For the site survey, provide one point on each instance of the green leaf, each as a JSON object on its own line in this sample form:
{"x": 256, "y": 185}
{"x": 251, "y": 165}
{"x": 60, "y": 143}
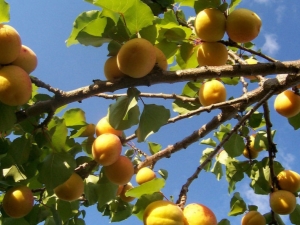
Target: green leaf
{"x": 58, "y": 129}
{"x": 168, "y": 48}
{"x": 295, "y": 121}
{"x": 154, "y": 147}
{"x": 233, "y": 5}
{"x": 135, "y": 13}
{"x": 4, "y": 9}
{"x": 203, "y": 4}
{"x": 294, "y": 216}
{"x": 269, "y": 218}
{"x": 209, "y": 141}
{"x": 231, "y": 81}
{"x": 90, "y": 190}
{"x": 163, "y": 173}
{"x": 12, "y": 221}
{"x": 20, "y": 149}
{"x": 235, "y": 145}
{"x": 149, "y": 187}
{"x": 186, "y": 57}
{"x": 234, "y": 173}
{"x": 124, "y": 113}
{"x": 237, "y": 205}
{"x": 56, "y": 169}
{"x": 152, "y": 119}
{"x": 74, "y": 117}
{"x": 224, "y": 222}
{"x": 106, "y": 190}
{"x": 256, "y": 120}
{"x": 217, "y": 170}
{"x": 205, "y": 155}
{"x": 7, "y": 116}
{"x": 67, "y": 209}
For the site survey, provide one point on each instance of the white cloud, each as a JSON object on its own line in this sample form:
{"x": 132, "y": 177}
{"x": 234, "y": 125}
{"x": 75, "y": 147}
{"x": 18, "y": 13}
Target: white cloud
{"x": 286, "y": 159}
{"x": 261, "y": 201}
{"x": 271, "y": 46}
{"x": 262, "y": 1}
{"x": 280, "y": 10}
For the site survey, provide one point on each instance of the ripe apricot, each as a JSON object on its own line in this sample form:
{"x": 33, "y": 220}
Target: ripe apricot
{"x": 287, "y": 103}
{"x": 144, "y": 174}
{"x": 136, "y": 57}
{"x": 212, "y": 54}
{"x": 18, "y": 201}
{"x": 199, "y": 214}
{"x": 253, "y": 218}
{"x": 106, "y": 149}
{"x": 27, "y": 59}
{"x": 71, "y": 189}
{"x": 120, "y": 172}
{"x": 243, "y": 25}
{"x": 122, "y": 190}
{"x": 252, "y": 155}
{"x": 15, "y": 86}
{"x": 212, "y": 92}
{"x": 282, "y": 202}
{"x": 161, "y": 59}
{"x": 210, "y": 25}
{"x": 163, "y": 212}
{"x": 10, "y": 44}
{"x": 111, "y": 69}
{"x": 289, "y": 180}
{"x": 103, "y": 127}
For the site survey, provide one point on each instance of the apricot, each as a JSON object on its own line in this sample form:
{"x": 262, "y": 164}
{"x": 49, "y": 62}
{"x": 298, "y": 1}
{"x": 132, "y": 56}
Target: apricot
{"x": 10, "y": 44}
{"x": 282, "y": 202}
{"x": 136, "y": 57}
{"x": 106, "y": 149}
{"x": 111, "y": 69}
{"x": 243, "y": 25}
{"x": 289, "y": 180}
{"x": 252, "y": 142}
{"x": 199, "y": 214}
{"x": 251, "y": 61}
{"x": 212, "y": 54}
{"x": 18, "y": 201}
{"x": 89, "y": 130}
{"x": 253, "y": 218}
{"x": 252, "y": 155}
{"x": 71, "y": 189}
{"x": 210, "y": 25}
{"x": 144, "y": 174}
{"x": 120, "y": 172}
{"x": 212, "y": 92}
{"x": 161, "y": 59}
{"x": 122, "y": 190}
{"x": 27, "y": 59}
{"x": 15, "y": 86}
{"x": 163, "y": 212}
{"x": 103, "y": 127}
{"x": 287, "y": 103}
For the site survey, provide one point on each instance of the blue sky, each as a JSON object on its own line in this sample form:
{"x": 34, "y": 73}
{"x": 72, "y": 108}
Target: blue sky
{"x": 45, "y": 25}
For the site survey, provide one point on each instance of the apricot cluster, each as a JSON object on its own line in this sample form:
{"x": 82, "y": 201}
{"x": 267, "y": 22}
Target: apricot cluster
{"x": 17, "y": 61}
{"x": 136, "y": 59}
{"x": 252, "y": 151}
{"x": 241, "y": 25}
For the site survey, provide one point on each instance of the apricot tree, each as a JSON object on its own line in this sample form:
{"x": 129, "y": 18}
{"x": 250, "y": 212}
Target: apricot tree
{"x": 45, "y": 142}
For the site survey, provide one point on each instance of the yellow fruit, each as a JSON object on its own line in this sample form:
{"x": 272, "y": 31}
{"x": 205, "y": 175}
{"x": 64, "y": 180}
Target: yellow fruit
{"x": 287, "y": 103}
{"x": 282, "y": 202}
{"x": 252, "y": 155}
{"x": 163, "y": 213}
{"x": 212, "y": 54}
{"x": 10, "y": 44}
{"x": 253, "y": 218}
{"x": 120, "y": 172}
{"x": 251, "y": 61}
{"x": 289, "y": 180}
{"x": 71, "y": 189}
{"x": 243, "y": 25}
{"x": 106, "y": 149}
{"x": 161, "y": 59}
{"x": 144, "y": 174}
{"x": 27, "y": 59}
{"x": 103, "y": 127}
{"x": 212, "y": 92}
{"x": 15, "y": 86}
{"x": 252, "y": 142}
{"x": 18, "y": 201}
{"x": 210, "y": 25}
{"x": 122, "y": 190}
{"x": 111, "y": 69}
{"x": 136, "y": 57}
{"x": 198, "y": 214}
{"x": 89, "y": 130}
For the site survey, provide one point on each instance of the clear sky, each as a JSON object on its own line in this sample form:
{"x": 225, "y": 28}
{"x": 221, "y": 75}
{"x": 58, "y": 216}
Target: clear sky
{"x": 45, "y": 25}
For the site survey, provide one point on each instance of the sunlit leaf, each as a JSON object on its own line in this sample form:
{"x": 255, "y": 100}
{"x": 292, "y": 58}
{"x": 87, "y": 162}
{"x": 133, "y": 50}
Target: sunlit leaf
{"x": 205, "y": 154}
{"x": 235, "y": 145}
{"x": 217, "y": 170}
{"x": 58, "y": 130}
{"x": 74, "y": 117}
{"x": 295, "y": 121}
{"x": 234, "y": 173}
{"x": 154, "y": 147}
{"x": 4, "y": 9}
{"x": 237, "y": 205}
{"x": 106, "y": 191}
{"x": 149, "y": 187}
{"x": 233, "y": 5}
{"x": 294, "y": 216}
{"x": 209, "y": 141}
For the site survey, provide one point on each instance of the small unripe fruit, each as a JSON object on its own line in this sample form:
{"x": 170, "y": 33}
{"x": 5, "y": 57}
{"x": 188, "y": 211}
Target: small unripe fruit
{"x": 103, "y": 127}
{"x": 71, "y": 189}
{"x": 145, "y": 174}
{"x": 212, "y": 54}
{"x": 253, "y": 218}
{"x": 27, "y": 59}
{"x": 212, "y": 92}
{"x": 282, "y": 202}
{"x": 120, "y": 172}
{"x": 111, "y": 69}
{"x": 287, "y": 103}
{"x": 198, "y": 214}
{"x": 106, "y": 149}
{"x": 136, "y": 58}
{"x": 289, "y": 180}
{"x": 251, "y": 155}
{"x": 243, "y": 25}
{"x": 18, "y": 201}
{"x": 10, "y": 44}
{"x": 210, "y": 25}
